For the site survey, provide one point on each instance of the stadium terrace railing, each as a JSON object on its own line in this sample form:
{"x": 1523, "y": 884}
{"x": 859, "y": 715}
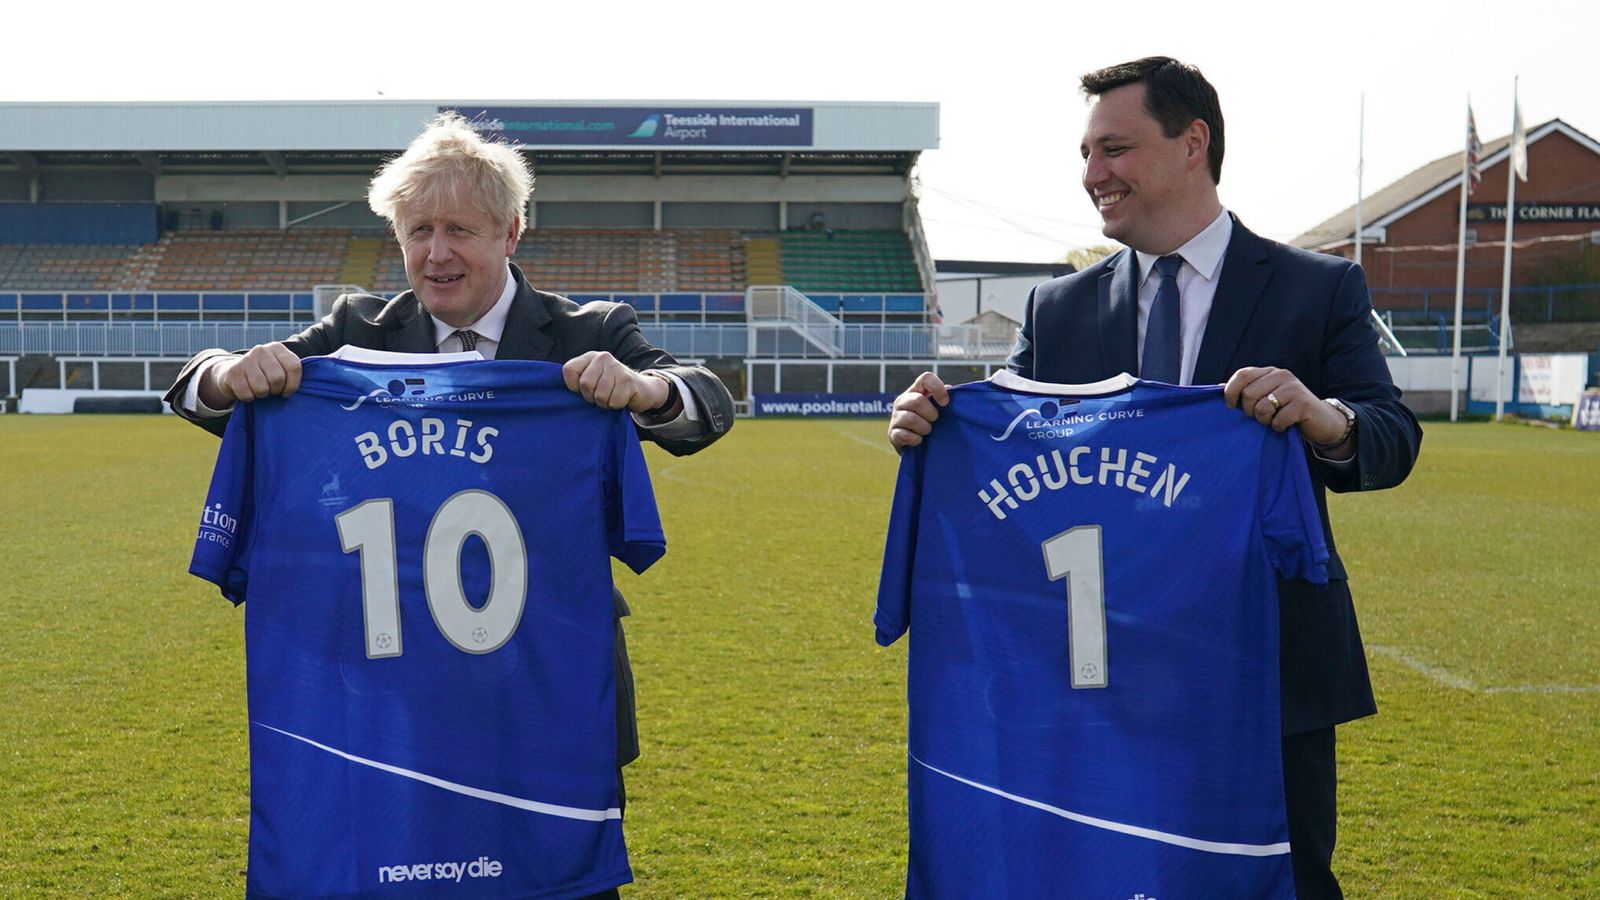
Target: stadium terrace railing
{"x": 156, "y": 306}
{"x": 775, "y": 307}
{"x": 688, "y": 340}
{"x": 1534, "y": 304}
{"x": 676, "y": 306}
{"x": 1435, "y": 333}
{"x": 299, "y": 306}
{"x": 134, "y": 338}
{"x": 148, "y": 383}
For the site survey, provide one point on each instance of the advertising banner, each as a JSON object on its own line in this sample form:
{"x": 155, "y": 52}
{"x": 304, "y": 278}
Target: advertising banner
{"x": 1586, "y": 415}
{"x": 1535, "y": 212}
{"x": 809, "y": 405}
{"x": 643, "y": 126}
{"x": 1536, "y": 384}
{"x": 1550, "y": 379}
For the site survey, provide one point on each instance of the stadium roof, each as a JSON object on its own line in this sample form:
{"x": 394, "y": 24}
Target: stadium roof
{"x": 1420, "y": 186}
{"x": 309, "y": 137}
{"x": 389, "y": 125}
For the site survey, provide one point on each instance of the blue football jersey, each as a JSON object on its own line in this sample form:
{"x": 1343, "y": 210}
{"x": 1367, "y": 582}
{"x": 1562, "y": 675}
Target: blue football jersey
{"x": 429, "y": 634}
{"x": 1089, "y": 574}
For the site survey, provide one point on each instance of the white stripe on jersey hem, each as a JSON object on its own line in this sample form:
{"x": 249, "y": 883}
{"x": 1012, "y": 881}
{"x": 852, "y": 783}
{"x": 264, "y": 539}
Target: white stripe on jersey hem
{"x": 1011, "y": 381}
{"x": 549, "y": 809}
{"x": 1149, "y": 833}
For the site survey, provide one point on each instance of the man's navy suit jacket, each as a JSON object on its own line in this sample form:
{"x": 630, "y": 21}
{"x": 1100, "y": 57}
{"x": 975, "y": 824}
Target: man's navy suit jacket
{"x": 1275, "y": 306}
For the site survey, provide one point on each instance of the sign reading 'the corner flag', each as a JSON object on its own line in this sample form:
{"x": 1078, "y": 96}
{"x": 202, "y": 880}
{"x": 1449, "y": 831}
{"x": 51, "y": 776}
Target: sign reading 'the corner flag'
{"x": 650, "y": 126}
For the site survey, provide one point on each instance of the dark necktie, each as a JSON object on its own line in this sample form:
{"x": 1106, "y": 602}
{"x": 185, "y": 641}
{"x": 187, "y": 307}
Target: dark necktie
{"x": 1163, "y": 330}
{"x": 469, "y": 339}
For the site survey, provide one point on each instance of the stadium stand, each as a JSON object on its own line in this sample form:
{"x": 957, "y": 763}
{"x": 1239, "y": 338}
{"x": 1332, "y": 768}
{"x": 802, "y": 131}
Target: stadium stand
{"x": 849, "y": 261}
{"x": 255, "y": 259}
{"x": 565, "y": 260}
{"x": 762, "y": 260}
{"x": 63, "y": 267}
{"x": 195, "y": 246}
{"x": 361, "y": 260}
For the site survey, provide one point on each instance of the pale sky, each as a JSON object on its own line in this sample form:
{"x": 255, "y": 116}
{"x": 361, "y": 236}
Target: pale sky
{"x": 1003, "y": 184}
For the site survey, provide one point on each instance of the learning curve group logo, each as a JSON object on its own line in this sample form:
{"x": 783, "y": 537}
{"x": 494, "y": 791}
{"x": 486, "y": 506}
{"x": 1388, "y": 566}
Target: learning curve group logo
{"x": 397, "y": 389}
{"x": 414, "y": 392}
{"x": 1047, "y": 420}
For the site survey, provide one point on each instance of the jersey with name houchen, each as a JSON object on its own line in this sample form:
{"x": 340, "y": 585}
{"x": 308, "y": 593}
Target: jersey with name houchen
{"x": 1089, "y": 573}
{"x": 429, "y": 634}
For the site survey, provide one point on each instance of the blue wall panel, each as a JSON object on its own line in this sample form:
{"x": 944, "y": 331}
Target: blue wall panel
{"x": 681, "y": 302}
{"x": 88, "y": 302}
{"x": 78, "y": 223}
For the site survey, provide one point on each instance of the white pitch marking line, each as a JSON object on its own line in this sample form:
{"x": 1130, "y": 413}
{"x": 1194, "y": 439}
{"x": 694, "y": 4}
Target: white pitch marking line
{"x": 1432, "y": 672}
{"x": 882, "y": 445}
{"x": 1447, "y": 678}
{"x": 1545, "y": 689}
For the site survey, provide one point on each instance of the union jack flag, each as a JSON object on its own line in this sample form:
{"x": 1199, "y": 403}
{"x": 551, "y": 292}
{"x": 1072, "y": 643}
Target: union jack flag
{"x": 1474, "y": 151}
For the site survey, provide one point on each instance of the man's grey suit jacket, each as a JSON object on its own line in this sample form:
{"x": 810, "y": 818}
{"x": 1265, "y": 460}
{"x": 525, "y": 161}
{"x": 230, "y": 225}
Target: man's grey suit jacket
{"x": 540, "y": 326}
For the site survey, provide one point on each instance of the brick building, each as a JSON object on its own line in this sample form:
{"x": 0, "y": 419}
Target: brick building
{"x": 1410, "y": 226}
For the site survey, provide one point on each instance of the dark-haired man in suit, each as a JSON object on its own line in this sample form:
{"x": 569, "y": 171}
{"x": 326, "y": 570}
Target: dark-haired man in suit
{"x": 1196, "y": 298}
{"x": 455, "y": 202}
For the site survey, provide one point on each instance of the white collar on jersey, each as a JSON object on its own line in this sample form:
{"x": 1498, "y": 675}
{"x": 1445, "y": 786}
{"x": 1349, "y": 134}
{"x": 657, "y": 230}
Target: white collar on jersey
{"x": 389, "y": 357}
{"x": 1014, "y": 382}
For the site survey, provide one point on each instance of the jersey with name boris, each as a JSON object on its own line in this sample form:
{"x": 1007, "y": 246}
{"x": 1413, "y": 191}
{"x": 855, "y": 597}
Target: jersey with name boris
{"x": 424, "y": 543}
{"x": 1089, "y": 575}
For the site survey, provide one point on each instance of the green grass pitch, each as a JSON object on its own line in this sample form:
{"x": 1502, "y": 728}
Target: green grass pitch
{"x": 773, "y": 726}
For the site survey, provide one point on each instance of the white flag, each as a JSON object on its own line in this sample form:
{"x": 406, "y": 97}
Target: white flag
{"x": 1519, "y": 142}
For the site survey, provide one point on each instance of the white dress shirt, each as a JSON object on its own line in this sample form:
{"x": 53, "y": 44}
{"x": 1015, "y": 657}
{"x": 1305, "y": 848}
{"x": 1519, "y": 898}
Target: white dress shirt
{"x": 489, "y": 328}
{"x": 1197, "y": 287}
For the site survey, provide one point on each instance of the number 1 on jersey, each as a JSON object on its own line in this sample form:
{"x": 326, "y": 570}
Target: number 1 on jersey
{"x": 1075, "y": 555}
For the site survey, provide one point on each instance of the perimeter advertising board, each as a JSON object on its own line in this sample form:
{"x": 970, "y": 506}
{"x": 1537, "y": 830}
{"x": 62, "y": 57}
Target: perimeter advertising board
{"x": 1534, "y": 384}
{"x": 1586, "y": 415}
{"x": 813, "y": 405}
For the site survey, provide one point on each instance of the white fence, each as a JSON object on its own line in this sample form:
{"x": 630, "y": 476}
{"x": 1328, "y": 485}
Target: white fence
{"x": 772, "y": 339}
{"x": 132, "y": 338}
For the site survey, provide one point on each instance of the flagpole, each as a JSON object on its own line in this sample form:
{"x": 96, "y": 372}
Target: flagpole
{"x": 1505, "y": 282}
{"x": 1461, "y": 265}
{"x": 1361, "y": 161}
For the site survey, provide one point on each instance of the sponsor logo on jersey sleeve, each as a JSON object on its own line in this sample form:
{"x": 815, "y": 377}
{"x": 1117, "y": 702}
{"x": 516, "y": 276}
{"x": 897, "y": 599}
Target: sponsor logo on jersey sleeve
{"x": 216, "y": 525}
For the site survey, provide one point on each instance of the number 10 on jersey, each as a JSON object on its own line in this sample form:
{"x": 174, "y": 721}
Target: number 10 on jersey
{"x": 369, "y": 528}
{"x": 1075, "y": 555}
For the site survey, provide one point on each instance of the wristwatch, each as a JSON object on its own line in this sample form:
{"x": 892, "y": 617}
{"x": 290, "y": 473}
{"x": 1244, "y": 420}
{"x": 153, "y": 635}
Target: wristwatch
{"x": 1349, "y": 426}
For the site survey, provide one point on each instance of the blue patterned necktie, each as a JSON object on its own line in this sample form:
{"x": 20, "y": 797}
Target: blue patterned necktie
{"x": 469, "y": 339}
{"x": 1163, "y": 330}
